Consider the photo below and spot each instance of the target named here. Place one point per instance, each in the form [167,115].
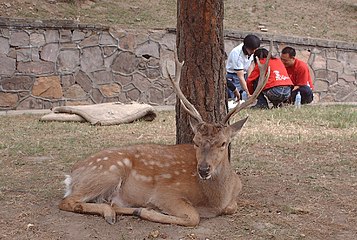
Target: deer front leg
[179,212]
[102,209]
[231,208]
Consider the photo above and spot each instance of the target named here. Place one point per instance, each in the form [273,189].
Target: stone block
[7,65]
[102,77]
[84,81]
[67,80]
[37,39]
[8,100]
[321,85]
[75,92]
[110,90]
[65,35]
[97,96]
[4,45]
[133,94]
[50,52]
[17,83]
[78,35]
[125,62]
[38,68]
[68,60]
[128,42]
[52,36]
[19,39]
[334,65]
[47,87]
[92,59]
[319,62]
[107,39]
[156,96]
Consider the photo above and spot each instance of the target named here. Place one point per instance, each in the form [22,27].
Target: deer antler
[189,108]
[263,78]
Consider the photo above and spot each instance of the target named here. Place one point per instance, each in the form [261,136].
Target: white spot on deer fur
[113,168]
[151,162]
[105,158]
[68,182]
[94,167]
[120,163]
[177,172]
[136,155]
[184,170]
[127,162]
[99,159]
[166,175]
[100,167]
[177,183]
[90,163]
[167,164]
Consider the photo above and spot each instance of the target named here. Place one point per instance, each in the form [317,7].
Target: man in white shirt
[239,65]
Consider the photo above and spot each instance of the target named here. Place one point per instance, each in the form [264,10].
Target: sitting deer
[174,184]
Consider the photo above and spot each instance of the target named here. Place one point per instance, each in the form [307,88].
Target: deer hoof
[110,215]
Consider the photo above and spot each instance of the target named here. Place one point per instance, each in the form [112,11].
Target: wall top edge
[21,23]
[297,40]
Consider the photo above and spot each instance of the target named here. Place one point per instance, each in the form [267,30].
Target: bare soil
[327,19]
[298,168]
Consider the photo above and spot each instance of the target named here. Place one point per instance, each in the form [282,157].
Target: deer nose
[204,170]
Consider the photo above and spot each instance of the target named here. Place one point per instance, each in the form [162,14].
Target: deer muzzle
[204,171]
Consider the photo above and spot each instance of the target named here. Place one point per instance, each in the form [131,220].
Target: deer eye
[195,145]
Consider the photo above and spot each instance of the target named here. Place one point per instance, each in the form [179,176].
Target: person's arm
[233,88]
[242,82]
[303,76]
[253,76]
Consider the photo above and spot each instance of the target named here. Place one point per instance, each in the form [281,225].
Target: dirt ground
[299,178]
[327,19]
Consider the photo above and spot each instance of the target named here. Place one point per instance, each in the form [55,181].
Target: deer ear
[194,124]
[235,127]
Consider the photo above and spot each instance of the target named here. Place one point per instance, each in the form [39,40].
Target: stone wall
[44,64]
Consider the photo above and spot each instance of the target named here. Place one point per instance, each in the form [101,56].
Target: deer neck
[220,185]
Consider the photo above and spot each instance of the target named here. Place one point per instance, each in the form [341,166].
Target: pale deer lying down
[175,184]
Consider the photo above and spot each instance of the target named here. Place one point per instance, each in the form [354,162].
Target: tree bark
[200,44]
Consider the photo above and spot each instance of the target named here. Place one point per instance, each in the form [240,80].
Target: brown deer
[175,184]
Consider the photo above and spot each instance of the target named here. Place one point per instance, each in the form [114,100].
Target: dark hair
[261,53]
[289,50]
[251,42]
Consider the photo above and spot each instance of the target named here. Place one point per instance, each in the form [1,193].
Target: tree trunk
[200,44]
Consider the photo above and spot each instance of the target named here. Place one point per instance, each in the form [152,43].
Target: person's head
[260,53]
[288,56]
[251,43]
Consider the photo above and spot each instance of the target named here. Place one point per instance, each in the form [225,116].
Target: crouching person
[278,87]
[299,74]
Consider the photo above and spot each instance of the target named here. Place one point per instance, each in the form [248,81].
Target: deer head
[211,140]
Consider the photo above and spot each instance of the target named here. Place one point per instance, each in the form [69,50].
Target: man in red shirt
[299,74]
[278,87]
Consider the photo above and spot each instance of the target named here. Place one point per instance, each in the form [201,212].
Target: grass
[294,164]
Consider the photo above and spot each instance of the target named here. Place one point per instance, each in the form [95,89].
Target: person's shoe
[259,106]
[232,104]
